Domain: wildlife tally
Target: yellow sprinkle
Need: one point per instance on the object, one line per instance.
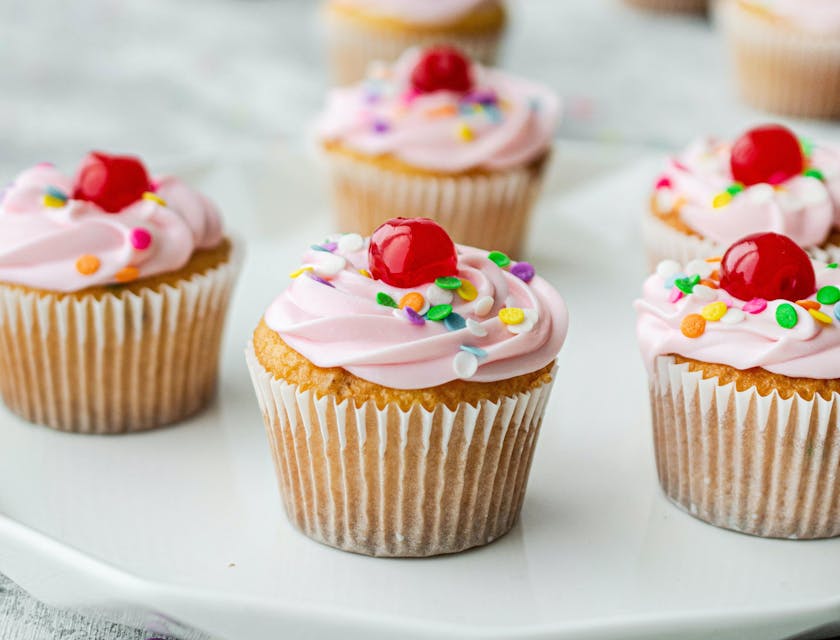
(722, 199)
(465, 133)
(714, 259)
(127, 274)
(365, 273)
(512, 315)
(467, 290)
(154, 198)
(299, 272)
(819, 316)
(714, 311)
(87, 265)
(52, 201)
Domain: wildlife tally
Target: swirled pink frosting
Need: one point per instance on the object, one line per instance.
(816, 16)
(40, 245)
(423, 12)
(340, 324)
(504, 123)
(803, 208)
(811, 349)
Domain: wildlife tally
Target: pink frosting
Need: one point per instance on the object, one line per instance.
(804, 208)
(817, 16)
(442, 130)
(40, 245)
(343, 325)
(810, 349)
(422, 12)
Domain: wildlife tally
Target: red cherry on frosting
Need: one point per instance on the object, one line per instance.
(770, 154)
(769, 266)
(442, 69)
(408, 252)
(111, 182)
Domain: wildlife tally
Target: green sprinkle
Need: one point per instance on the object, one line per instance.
(439, 312)
(786, 316)
(499, 258)
(735, 189)
(386, 301)
(831, 265)
(686, 285)
(448, 282)
(807, 147)
(828, 295)
(814, 173)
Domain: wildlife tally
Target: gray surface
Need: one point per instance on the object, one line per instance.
(196, 81)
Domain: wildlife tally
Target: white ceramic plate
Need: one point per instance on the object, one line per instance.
(184, 525)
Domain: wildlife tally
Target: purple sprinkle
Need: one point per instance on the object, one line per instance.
(319, 279)
(524, 271)
(486, 97)
(414, 317)
(330, 246)
(380, 126)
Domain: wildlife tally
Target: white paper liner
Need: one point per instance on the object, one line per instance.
(125, 362)
(663, 242)
(671, 6)
(485, 210)
(781, 68)
(352, 47)
(388, 482)
(762, 465)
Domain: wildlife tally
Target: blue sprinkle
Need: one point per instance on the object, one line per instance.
(454, 322)
(318, 247)
(837, 311)
(478, 353)
(55, 192)
(669, 282)
(493, 113)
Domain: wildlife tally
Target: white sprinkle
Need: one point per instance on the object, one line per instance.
(329, 264)
(664, 200)
(350, 242)
(813, 192)
(703, 293)
(700, 267)
(465, 364)
(483, 305)
(435, 295)
(761, 193)
(732, 316)
(475, 328)
(667, 268)
(531, 317)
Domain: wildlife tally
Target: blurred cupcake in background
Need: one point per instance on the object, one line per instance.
(362, 31)
(437, 135)
(786, 54)
(767, 180)
(671, 6)
(113, 293)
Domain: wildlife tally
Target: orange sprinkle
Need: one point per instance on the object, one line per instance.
(693, 325)
(413, 300)
(127, 274)
(87, 265)
(712, 284)
(442, 111)
(809, 304)
(714, 275)
(714, 259)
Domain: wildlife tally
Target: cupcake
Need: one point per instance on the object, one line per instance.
(769, 180)
(113, 292)
(671, 6)
(439, 136)
(363, 31)
(743, 355)
(786, 54)
(402, 381)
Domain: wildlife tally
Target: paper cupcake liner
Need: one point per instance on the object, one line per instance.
(780, 68)
(388, 482)
(671, 6)
(663, 242)
(352, 47)
(485, 210)
(762, 465)
(124, 362)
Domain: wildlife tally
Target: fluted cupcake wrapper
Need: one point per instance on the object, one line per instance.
(671, 6)
(388, 482)
(781, 68)
(124, 362)
(490, 210)
(762, 465)
(352, 47)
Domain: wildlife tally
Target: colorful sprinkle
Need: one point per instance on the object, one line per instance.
(385, 300)
(711, 284)
(465, 134)
(153, 197)
(714, 259)
(733, 316)
(454, 322)
(467, 291)
(478, 353)
(414, 317)
(837, 311)
(499, 258)
(483, 306)
(756, 305)
(475, 328)
(329, 264)
(808, 304)
(511, 315)
(693, 325)
(814, 173)
(668, 269)
(439, 312)
(380, 126)
(299, 272)
(714, 311)
(413, 300)
(524, 271)
(686, 285)
(704, 293)
(663, 183)
(699, 267)
(831, 265)
(350, 243)
(435, 295)
(318, 247)
(828, 295)
(734, 189)
(330, 246)
(319, 279)
(819, 316)
(127, 274)
(365, 273)
(722, 199)
(140, 238)
(674, 295)
(448, 282)
(443, 111)
(786, 315)
(465, 364)
(87, 265)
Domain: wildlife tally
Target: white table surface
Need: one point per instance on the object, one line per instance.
(194, 83)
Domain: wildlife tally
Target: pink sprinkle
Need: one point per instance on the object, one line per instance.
(140, 238)
(409, 96)
(153, 186)
(679, 165)
(756, 305)
(675, 295)
(664, 183)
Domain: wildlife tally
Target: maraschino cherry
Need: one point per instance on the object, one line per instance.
(769, 266)
(111, 182)
(442, 69)
(770, 154)
(408, 252)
